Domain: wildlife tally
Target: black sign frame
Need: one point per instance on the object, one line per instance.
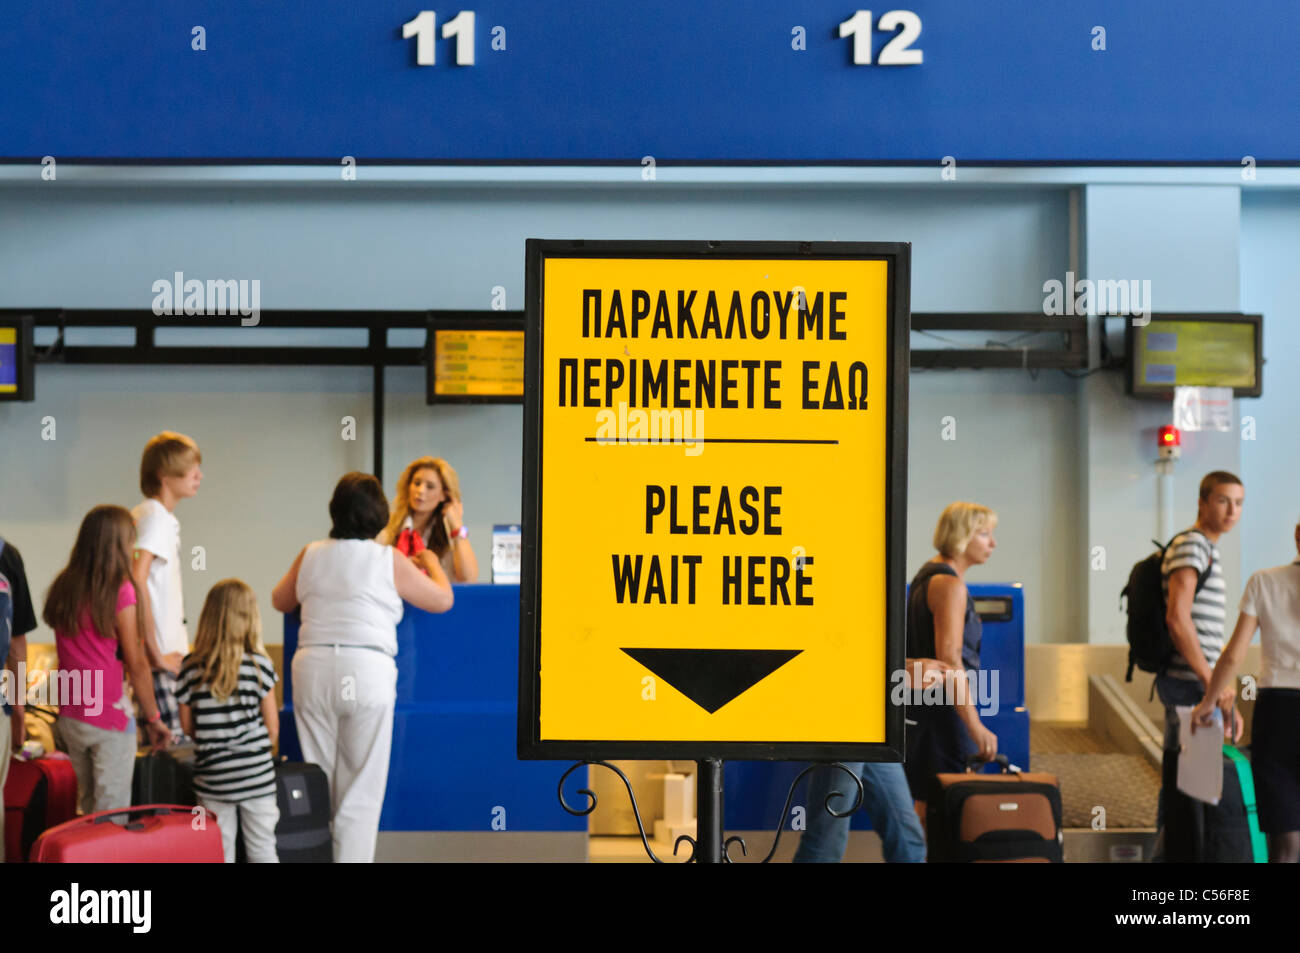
(529, 743)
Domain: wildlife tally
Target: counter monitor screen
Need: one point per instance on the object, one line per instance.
(993, 608)
(475, 365)
(1196, 351)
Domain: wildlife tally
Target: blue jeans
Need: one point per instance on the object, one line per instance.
(885, 796)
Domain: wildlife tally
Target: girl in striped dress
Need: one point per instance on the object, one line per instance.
(227, 703)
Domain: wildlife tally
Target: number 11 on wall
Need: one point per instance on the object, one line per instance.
(898, 51)
(423, 28)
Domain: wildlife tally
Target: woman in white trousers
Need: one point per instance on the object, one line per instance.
(351, 590)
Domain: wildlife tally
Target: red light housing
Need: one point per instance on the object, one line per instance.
(1169, 437)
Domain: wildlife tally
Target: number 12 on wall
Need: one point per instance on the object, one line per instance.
(423, 28)
(898, 51)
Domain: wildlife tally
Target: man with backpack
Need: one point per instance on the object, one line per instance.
(1195, 607)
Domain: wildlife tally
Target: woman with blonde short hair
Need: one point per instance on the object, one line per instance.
(428, 520)
(942, 624)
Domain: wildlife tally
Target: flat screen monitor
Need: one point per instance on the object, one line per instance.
(1196, 350)
(17, 372)
(475, 360)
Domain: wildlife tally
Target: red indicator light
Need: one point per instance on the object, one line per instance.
(1169, 437)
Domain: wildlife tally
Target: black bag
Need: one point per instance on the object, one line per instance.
(302, 835)
(1013, 817)
(164, 777)
(1226, 830)
(1150, 646)
(1197, 832)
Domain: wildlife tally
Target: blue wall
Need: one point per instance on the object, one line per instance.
(1067, 463)
(1270, 250)
(584, 80)
(272, 437)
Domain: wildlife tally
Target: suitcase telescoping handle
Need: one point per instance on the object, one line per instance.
(1001, 760)
(143, 818)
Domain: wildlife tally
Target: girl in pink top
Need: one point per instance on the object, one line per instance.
(92, 608)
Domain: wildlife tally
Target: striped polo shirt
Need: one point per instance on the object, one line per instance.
(232, 753)
(1191, 549)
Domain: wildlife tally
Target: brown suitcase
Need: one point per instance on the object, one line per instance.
(1014, 817)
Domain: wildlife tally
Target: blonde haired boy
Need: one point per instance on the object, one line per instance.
(169, 473)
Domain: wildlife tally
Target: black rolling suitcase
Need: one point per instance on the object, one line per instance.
(1014, 817)
(164, 777)
(1197, 832)
(302, 835)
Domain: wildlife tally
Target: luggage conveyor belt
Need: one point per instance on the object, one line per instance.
(1094, 773)
(1109, 771)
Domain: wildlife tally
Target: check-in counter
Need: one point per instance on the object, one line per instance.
(1001, 607)
(456, 791)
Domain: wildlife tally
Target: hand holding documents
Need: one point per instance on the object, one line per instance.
(1200, 760)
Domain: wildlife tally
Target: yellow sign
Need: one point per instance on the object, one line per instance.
(478, 363)
(712, 560)
(8, 361)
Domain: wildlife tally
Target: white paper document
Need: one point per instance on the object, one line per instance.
(1200, 762)
(507, 549)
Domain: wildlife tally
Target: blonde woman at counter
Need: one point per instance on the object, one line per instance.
(428, 520)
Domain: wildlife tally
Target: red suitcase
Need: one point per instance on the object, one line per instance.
(39, 794)
(152, 834)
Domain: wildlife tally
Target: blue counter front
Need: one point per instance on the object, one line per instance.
(453, 764)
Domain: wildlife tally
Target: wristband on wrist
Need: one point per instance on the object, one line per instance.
(462, 533)
(156, 719)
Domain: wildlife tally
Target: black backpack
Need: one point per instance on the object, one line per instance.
(1149, 645)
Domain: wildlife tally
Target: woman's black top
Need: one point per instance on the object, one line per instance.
(920, 620)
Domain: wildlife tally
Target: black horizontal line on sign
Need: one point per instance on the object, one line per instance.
(705, 440)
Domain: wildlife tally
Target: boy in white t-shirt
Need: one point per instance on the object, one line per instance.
(169, 473)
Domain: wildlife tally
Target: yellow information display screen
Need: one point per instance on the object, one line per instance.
(478, 363)
(1196, 354)
(8, 361)
(712, 562)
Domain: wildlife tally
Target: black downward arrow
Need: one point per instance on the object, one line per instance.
(712, 677)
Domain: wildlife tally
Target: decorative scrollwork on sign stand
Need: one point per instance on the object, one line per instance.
(694, 844)
(789, 797)
(636, 811)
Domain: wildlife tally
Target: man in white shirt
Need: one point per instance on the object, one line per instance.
(169, 473)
